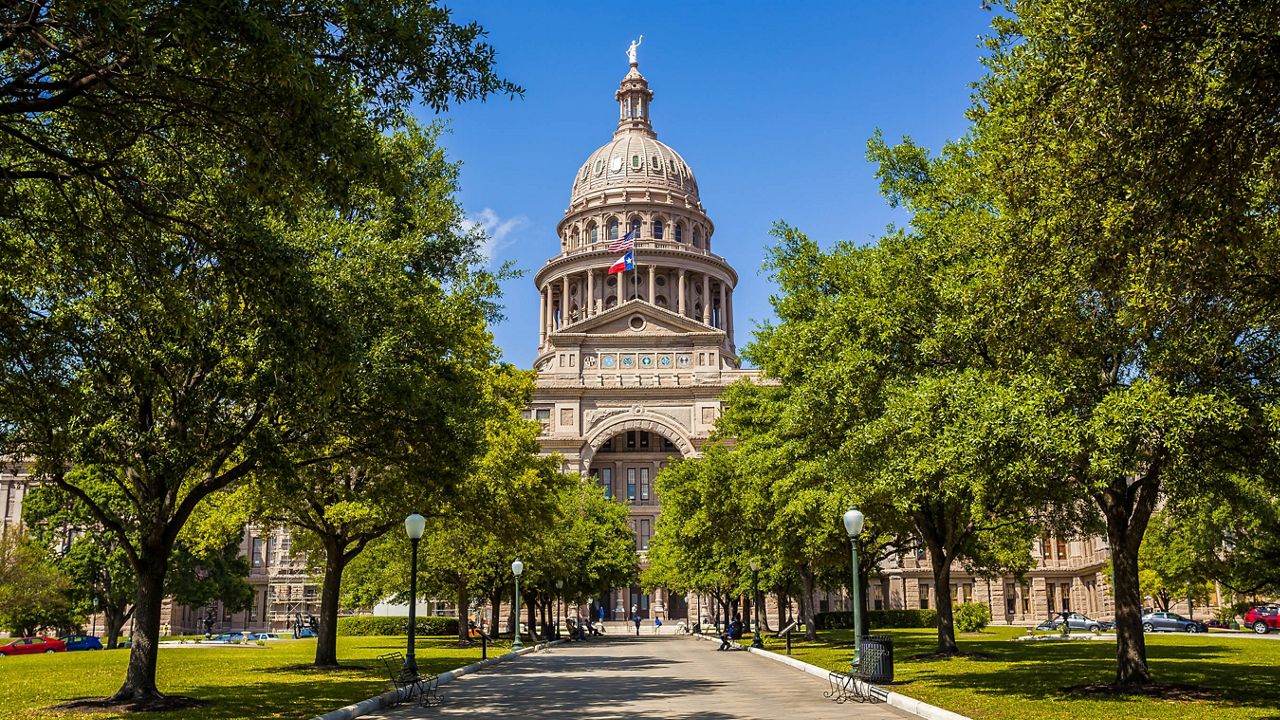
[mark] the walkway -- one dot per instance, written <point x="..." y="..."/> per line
<point x="644" y="677"/>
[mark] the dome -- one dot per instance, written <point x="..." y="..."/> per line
<point x="634" y="158"/>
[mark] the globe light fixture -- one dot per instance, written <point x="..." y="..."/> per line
<point x="414" y="526"/>
<point x="853" y="522"/>
<point x="559" y="601"/>
<point x="517" y="569"/>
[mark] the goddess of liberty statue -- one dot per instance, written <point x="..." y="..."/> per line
<point x="631" y="51"/>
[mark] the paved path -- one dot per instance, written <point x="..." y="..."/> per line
<point x="645" y="677"/>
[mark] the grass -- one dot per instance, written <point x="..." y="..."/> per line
<point x="1005" y="680"/>
<point x="247" y="681"/>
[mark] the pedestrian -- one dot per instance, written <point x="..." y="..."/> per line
<point x="724" y="640"/>
<point x="657" y="625"/>
<point x="636" y="619"/>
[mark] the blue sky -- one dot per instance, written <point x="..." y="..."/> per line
<point x="771" y="104"/>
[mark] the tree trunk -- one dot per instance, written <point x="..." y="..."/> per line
<point x="464" y="613"/>
<point x="495" y="612"/>
<point x="531" y="611"/>
<point x="140" y="676"/>
<point x="114" y="619"/>
<point x="807" y="602"/>
<point x="782" y="610"/>
<point x="327" y="637"/>
<point x="941" y="563"/>
<point x="1127" y="509"/>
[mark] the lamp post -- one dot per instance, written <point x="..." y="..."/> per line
<point x="517" y="567"/>
<point x="414" y="525"/>
<point x="559" y="600"/>
<point x="853" y="520"/>
<point x="756" y="642"/>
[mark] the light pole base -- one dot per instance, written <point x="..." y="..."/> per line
<point x="757" y="642"/>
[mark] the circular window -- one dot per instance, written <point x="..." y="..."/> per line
<point x="637" y="322"/>
<point x="661" y="280"/>
<point x="612" y="281"/>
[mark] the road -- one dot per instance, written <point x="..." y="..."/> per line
<point x="641" y="677"/>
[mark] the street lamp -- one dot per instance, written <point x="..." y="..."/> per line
<point x="756" y="642"/>
<point x="559" y="600"/>
<point x="517" y="567"/>
<point x="414" y="525"/>
<point x="853" y="520"/>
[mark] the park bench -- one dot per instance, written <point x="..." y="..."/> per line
<point x="424" y="689"/>
<point x="848" y="686"/>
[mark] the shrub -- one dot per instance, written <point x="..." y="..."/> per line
<point x="396" y="625"/>
<point x="972" y="617"/>
<point x="878" y="619"/>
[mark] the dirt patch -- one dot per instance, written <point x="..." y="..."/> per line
<point x="153" y="704"/>
<point x="933" y="657"/>
<point x="1156" y="691"/>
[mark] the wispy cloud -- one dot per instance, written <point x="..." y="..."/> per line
<point x="499" y="233"/>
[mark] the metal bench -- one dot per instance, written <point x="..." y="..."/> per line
<point x="424" y="689"/>
<point x="847" y="686"/>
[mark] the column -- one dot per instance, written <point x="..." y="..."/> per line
<point x="542" y="317"/>
<point x="728" y="319"/>
<point x="564" y="301"/>
<point x="652" y="274"/>
<point x="550" y="321"/>
<point x="590" y="307"/>
<point x="723" y="304"/>
<point x="680" y="301"/>
<point x="706" y="299"/>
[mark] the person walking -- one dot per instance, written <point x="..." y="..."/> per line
<point x="636" y="619"/>
<point x="657" y="625"/>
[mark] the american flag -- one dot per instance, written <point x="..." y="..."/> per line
<point x="627" y="242"/>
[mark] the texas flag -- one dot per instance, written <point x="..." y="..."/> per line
<point x="624" y="263"/>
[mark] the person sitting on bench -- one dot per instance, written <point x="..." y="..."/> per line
<point x="725" y="642"/>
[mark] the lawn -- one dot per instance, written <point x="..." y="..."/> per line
<point x="1005" y="680"/>
<point x="248" y="681"/>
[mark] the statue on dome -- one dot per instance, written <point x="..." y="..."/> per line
<point x="631" y="51"/>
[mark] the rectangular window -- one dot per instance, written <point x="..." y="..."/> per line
<point x="271" y="550"/>
<point x="1062" y="549"/>
<point x="1010" y="600"/>
<point x="966" y="593"/>
<point x="1050" y="600"/>
<point x="1026" y="599"/>
<point x="1066" y="596"/>
<point x="542" y="414"/>
<point x="644" y="601"/>
<point x="644" y="440"/>
<point x="631" y="484"/>
<point x="604" y="476"/>
<point x="257" y="552"/>
<point x="645" y="534"/>
<point x="631" y="439"/>
<point x="924" y="596"/>
<point x="264" y="606"/>
<point x="226" y="614"/>
<point x="644" y="484"/>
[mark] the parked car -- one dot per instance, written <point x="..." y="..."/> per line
<point x="81" y="642"/>
<point x="1077" y="622"/>
<point x="33" y="646"/>
<point x="1172" y="622"/>
<point x="1263" y="618"/>
<point x="230" y="637"/>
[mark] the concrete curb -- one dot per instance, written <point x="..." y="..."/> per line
<point x="893" y="699"/>
<point x="392" y="697"/>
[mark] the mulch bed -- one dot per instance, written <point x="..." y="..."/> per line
<point x="96" y="705"/>
<point x="1157" y="691"/>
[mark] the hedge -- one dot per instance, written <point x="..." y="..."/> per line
<point x="972" y="617"/>
<point x="878" y="619"/>
<point x="396" y="625"/>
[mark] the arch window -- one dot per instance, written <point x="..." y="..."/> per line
<point x="611" y="302"/>
<point x="657" y="164"/>
<point x="661" y="301"/>
<point x="593" y="233"/>
<point x="635" y="162"/>
<point x="657" y="229"/>
<point x="613" y="231"/>
<point x="635" y="228"/>
<point x="679" y="232"/>
<point x="697" y="237"/>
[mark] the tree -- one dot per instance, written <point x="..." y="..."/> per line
<point x="1127" y="156"/>
<point x="1168" y="568"/>
<point x="158" y="314"/>
<point x="32" y="589"/>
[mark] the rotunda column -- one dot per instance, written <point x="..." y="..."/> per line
<point x="706" y="299"/>
<point x="653" y="270"/>
<point x="564" y="301"/>
<point x="680" y="301"/>
<point x="728" y="320"/>
<point x="589" y="307"/>
<point x="722" y="324"/>
<point x="542" y="317"/>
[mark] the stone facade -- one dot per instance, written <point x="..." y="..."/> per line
<point x="631" y="365"/>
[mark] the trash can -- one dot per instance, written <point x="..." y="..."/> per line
<point x="875" y="657"/>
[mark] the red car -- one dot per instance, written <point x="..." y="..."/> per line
<point x="33" y="646"/>
<point x="1263" y="619"/>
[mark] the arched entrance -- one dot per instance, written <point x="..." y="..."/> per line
<point x="624" y="459"/>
